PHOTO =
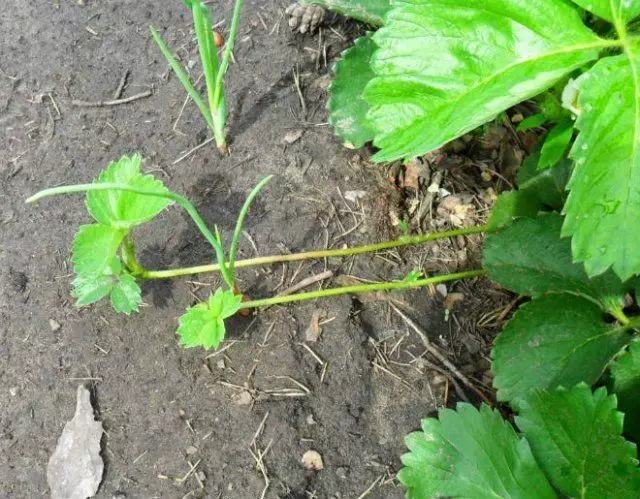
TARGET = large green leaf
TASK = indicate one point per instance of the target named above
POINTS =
(203, 324)
(123, 209)
(94, 247)
(444, 67)
(530, 258)
(603, 207)
(626, 384)
(369, 11)
(554, 340)
(471, 453)
(625, 10)
(575, 437)
(347, 108)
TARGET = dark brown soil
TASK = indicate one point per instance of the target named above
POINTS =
(157, 401)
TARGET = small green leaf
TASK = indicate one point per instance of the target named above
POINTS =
(532, 121)
(626, 384)
(575, 437)
(123, 209)
(625, 10)
(554, 340)
(471, 453)
(548, 185)
(203, 324)
(91, 288)
(512, 205)
(529, 257)
(368, 11)
(603, 207)
(445, 67)
(94, 247)
(125, 295)
(555, 144)
(347, 108)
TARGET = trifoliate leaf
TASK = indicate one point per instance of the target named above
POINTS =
(554, 340)
(471, 453)
(626, 384)
(368, 11)
(548, 185)
(625, 10)
(512, 205)
(203, 324)
(123, 209)
(575, 438)
(125, 295)
(91, 288)
(347, 108)
(603, 207)
(445, 67)
(94, 247)
(555, 144)
(529, 257)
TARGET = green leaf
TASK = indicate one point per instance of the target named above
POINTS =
(471, 453)
(555, 144)
(575, 437)
(512, 205)
(88, 289)
(445, 67)
(625, 10)
(203, 324)
(125, 295)
(532, 121)
(347, 108)
(548, 185)
(529, 258)
(123, 209)
(554, 340)
(94, 247)
(368, 11)
(626, 384)
(603, 207)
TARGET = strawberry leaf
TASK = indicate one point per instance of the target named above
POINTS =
(347, 108)
(203, 324)
(512, 205)
(626, 10)
(368, 11)
(470, 453)
(576, 438)
(94, 247)
(543, 264)
(549, 184)
(626, 384)
(123, 209)
(555, 144)
(125, 295)
(445, 67)
(88, 289)
(554, 340)
(603, 206)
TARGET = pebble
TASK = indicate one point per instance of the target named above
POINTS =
(312, 460)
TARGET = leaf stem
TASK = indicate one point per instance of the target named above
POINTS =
(362, 288)
(183, 202)
(309, 255)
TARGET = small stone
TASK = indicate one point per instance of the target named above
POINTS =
(14, 390)
(191, 450)
(293, 136)
(243, 398)
(438, 380)
(80, 3)
(312, 460)
(442, 289)
(201, 475)
(310, 420)
(54, 325)
(342, 472)
(220, 364)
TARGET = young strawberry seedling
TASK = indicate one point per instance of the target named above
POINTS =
(214, 111)
(105, 262)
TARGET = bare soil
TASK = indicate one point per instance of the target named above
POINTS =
(162, 406)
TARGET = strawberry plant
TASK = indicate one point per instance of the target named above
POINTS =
(214, 111)
(105, 263)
